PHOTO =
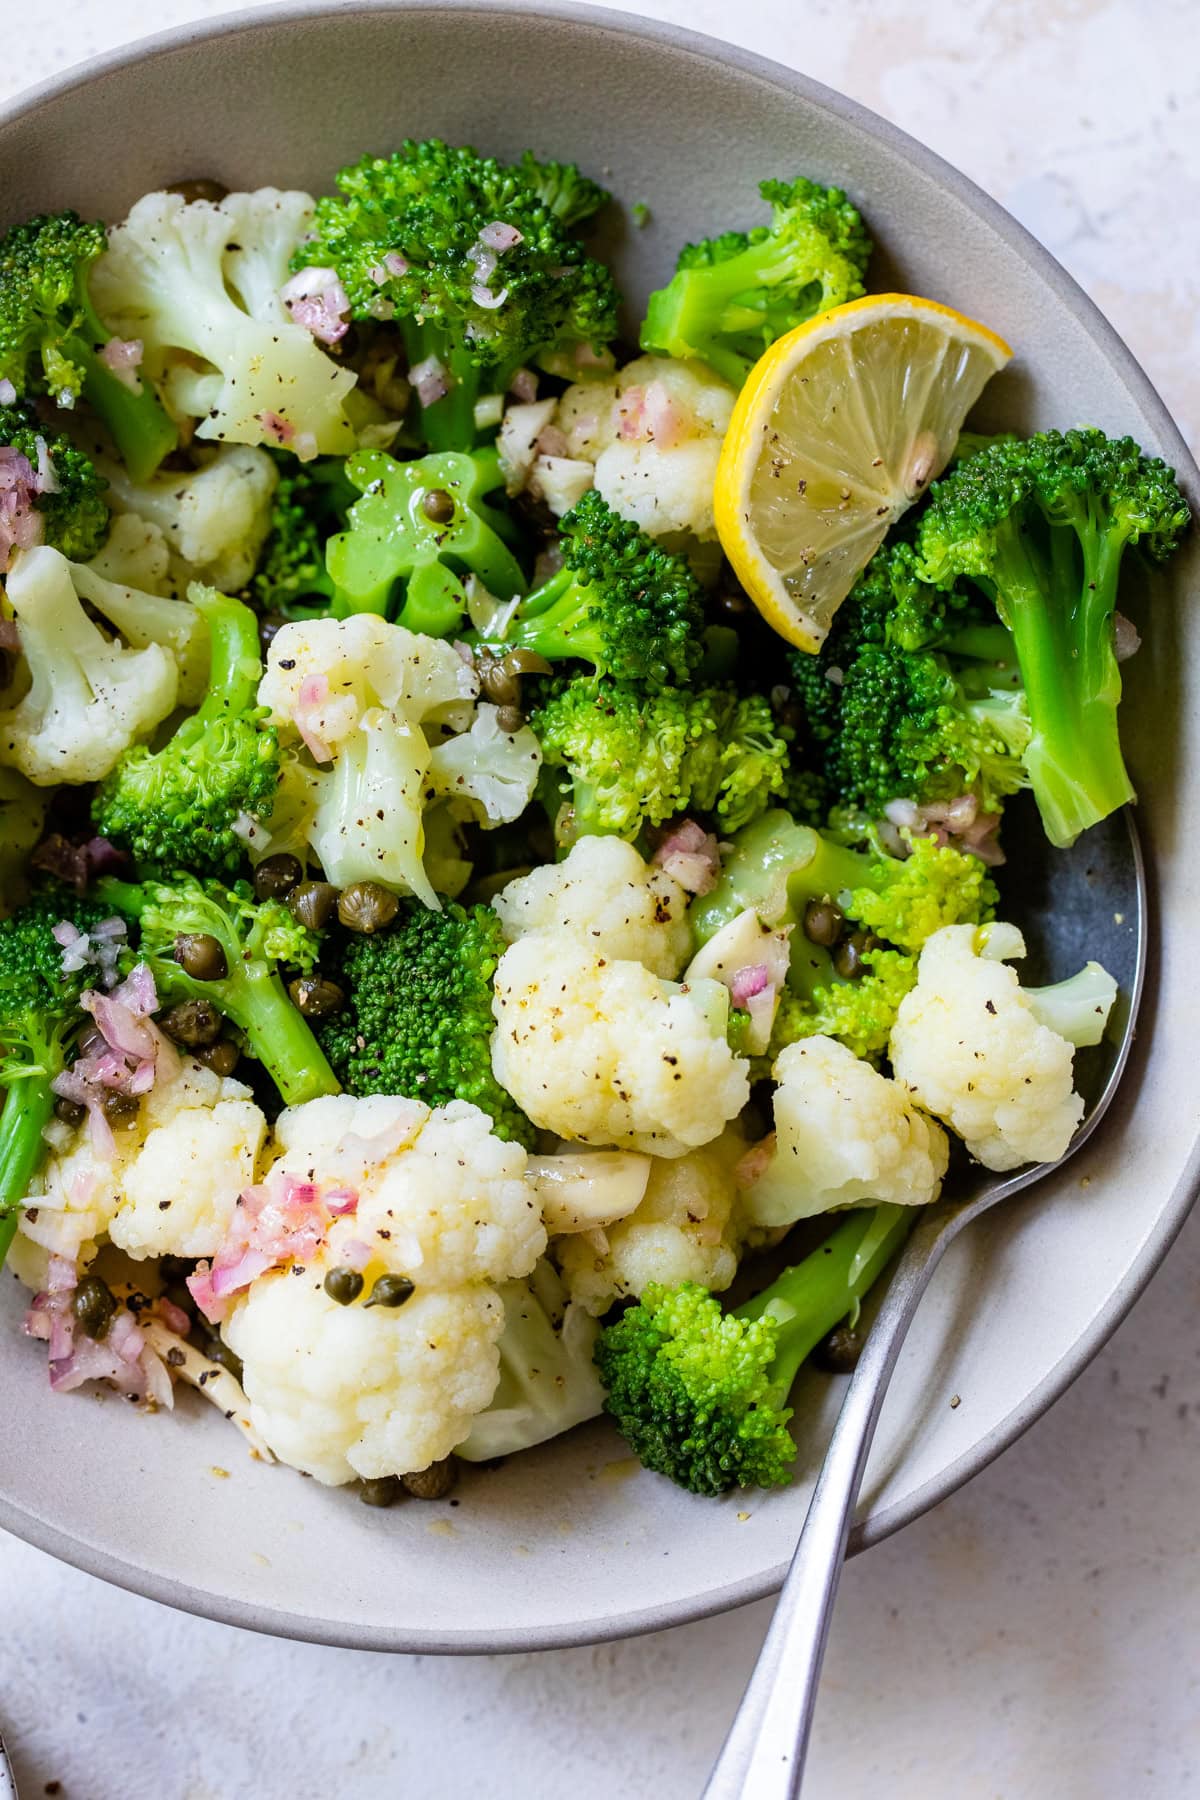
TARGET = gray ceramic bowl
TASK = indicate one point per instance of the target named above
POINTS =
(568, 1544)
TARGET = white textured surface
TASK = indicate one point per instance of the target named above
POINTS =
(1034, 1638)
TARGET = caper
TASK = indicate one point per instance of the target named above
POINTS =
(222, 1057)
(510, 718)
(848, 957)
(94, 1305)
(276, 876)
(120, 1109)
(199, 187)
(838, 1353)
(438, 506)
(526, 662)
(498, 684)
(384, 1490)
(391, 1290)
(433, 1483)
(343, 1285)
(316, 997)
(92, 1041)
(192, 1023)
(225, 1358)
(269, 626)
(823, 922)
(311, 902)
(200, 955)
(69, 1111)
(366, 906)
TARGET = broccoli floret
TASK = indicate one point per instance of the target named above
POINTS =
(634, 759)
(1039, 526)
(891, 904)
(310, 504)
(700, 1395)
(256, 939)
(51, 335)
(418, 1014)
(620, 602)
(548, 1380)
(425, 236)
(40, 1018)
(912, 696)
(426, 523)
(189, 804)
(61, 485)
(733, 295)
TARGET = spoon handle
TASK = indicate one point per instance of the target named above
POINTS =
(763, 1756)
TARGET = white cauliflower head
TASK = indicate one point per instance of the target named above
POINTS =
(360, 1389)
(969, 1046)
(654, 433)
(607, 897)
(440, 1199)
(346, 1391)
(845, 1135)
(214, 519)
(602, 1051)
(89, 697)
(687, 1227)
(488, 772)
(359, 692)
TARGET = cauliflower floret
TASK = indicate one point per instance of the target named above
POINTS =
(440, 1199)
(602, 1051)
(346, 1391)
(489, 773)
(607, 897)
(214, 519)
(687, 1227)
(89, 697)
(968, 1044)
(359, 691)
(654, 434)
(844, 1136)
(194, 1143)
(179, 1192)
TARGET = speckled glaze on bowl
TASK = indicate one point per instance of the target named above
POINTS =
(567, 1544)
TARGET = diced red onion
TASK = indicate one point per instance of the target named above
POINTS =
(276, 428)
(1127, 639)
(745, 983)
(689, 854)
(395, 264)
(429, 379)
(47, 481)
(8, 392)
(754, 1164)
(500, 237)
(761, 1008)
(316, 299)
(172, 1316)
(552, 442)
(487, 297)
(524, 385)
(21, 525)
(354, 1253)
(123, 356)
(65, 933)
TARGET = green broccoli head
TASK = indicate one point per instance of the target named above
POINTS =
(700, 1394)
(1039, 526)
(910, 696)
(563, 188)
(426, 524)
(732, 296)
(620, 602)
(417, 1019)
(51, 335)
(60, 484)
(475, 261)
(192, 803)
(257, 939)
(632, 759)
(310, 503)
(40, 1017)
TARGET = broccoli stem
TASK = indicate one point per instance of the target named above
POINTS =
(27, 1110)
(815, 1295)
(235, 665)
(277, 1036)
(449, 423)
(1069, 670)
(141, 429)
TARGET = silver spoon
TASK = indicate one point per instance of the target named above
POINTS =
(763, 1756)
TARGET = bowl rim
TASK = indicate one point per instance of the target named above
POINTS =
(93, 1559)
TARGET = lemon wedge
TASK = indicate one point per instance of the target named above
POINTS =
(839, 428)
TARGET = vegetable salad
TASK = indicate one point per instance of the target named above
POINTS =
(448, 937)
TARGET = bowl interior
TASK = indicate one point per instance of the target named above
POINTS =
(570, 1543)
